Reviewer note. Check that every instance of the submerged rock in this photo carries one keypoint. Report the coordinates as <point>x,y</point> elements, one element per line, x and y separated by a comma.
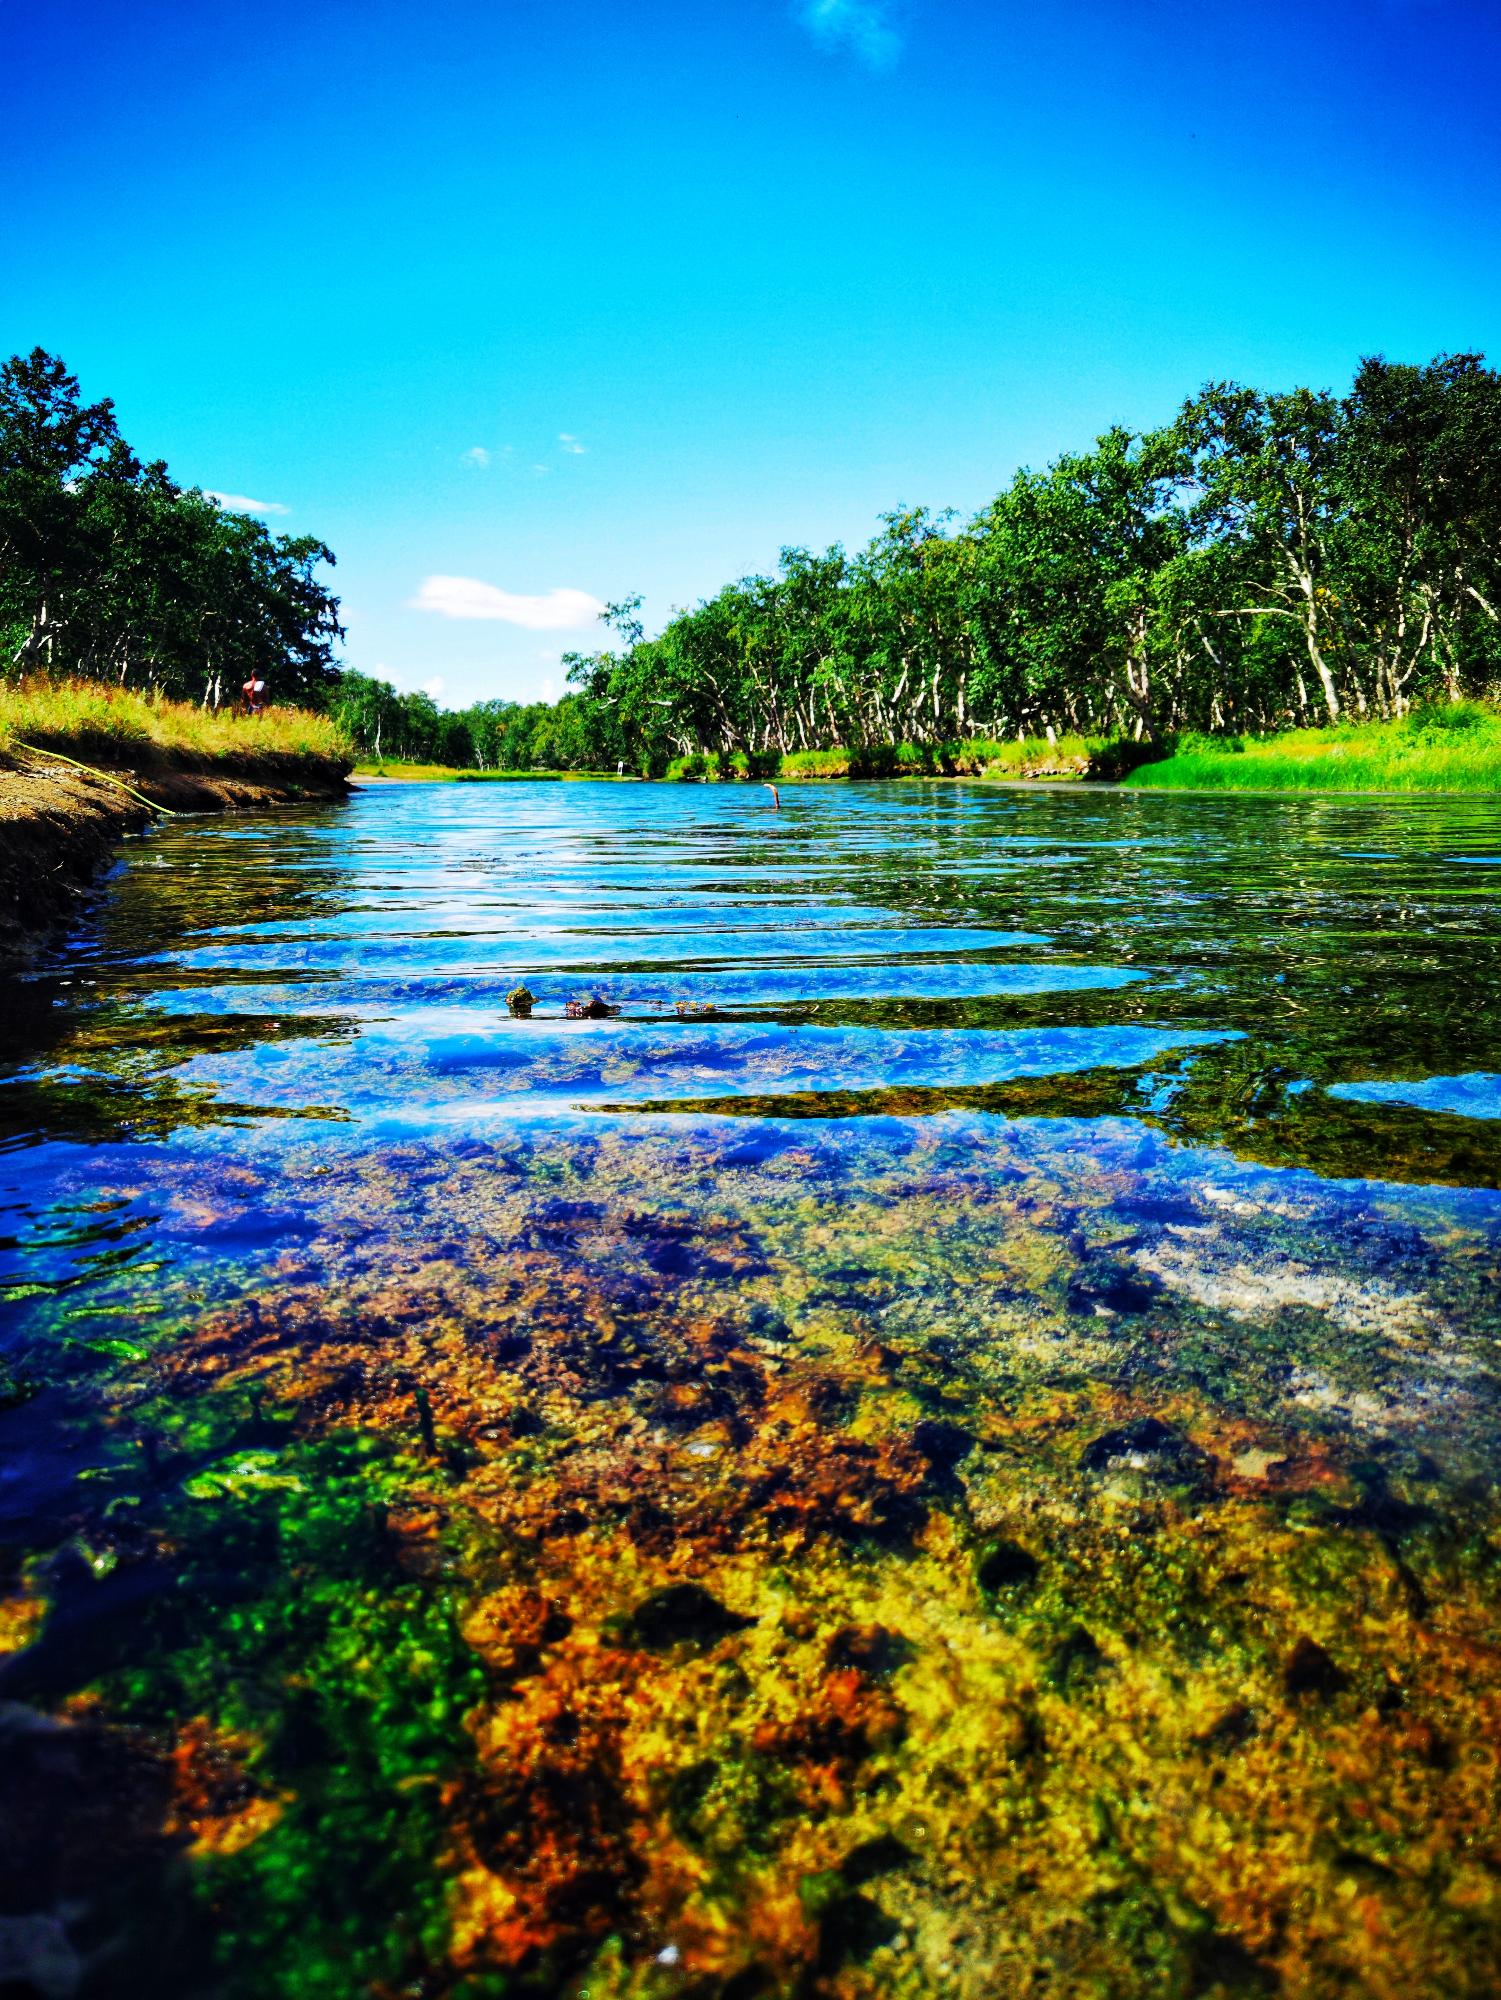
<point>1147,1446</point>
<point>870,1649</point>
<point>1004,1569</point>
<point>1310,1670</point>
<point>684,1614</point>
<point>1111,1288</point>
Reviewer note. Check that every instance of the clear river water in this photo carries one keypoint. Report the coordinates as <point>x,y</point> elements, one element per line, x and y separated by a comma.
<point>944,1444</point>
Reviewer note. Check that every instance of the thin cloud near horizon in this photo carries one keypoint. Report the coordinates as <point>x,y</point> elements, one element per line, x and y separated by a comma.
<point>560,610</point>
<point>241,503</point>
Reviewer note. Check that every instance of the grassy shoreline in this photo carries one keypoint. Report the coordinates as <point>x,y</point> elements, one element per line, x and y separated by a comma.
<point>82,766</point>
<point>1448,747</point>
<point>1455,747</point>
<point>117,728</point>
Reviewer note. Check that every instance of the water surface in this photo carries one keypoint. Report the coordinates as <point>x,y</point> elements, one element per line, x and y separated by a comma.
<point>948,1445</point>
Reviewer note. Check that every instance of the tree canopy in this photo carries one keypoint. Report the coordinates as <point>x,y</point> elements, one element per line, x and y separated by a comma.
<point>110,570</point>
<point>1264,560</point>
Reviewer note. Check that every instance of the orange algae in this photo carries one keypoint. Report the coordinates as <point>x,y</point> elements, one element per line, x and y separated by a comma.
<point>835,1665</point>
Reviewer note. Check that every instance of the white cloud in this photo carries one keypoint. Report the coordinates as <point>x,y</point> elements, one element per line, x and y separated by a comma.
<point>241,503</point>
<point>862,27</point>
<point>477,455</point>
<point>543,469</point>
<point>570,443</point>
<point>467,597</point>
<point>435,686</point>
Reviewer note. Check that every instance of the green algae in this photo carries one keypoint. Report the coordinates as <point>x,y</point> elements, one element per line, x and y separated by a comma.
<point>461,1619</point>
<point>1040,1536</point>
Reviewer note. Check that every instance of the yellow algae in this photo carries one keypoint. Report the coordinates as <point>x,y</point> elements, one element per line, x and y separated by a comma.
<point>21,1620</point>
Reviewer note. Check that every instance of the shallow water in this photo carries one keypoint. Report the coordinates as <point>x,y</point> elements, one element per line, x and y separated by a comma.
<point>949,1446</point>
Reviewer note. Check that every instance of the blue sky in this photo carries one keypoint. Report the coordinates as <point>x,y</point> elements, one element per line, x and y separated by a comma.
<point>525,306</point>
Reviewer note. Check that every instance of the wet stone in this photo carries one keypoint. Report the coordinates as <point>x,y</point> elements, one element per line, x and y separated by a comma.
<point>1111,1288</point>
<point>1006,1570</point>
<point>871,1649</point>
<point>1148,1447</point>
<point>684,1614</point>
<point>1312,1671</point>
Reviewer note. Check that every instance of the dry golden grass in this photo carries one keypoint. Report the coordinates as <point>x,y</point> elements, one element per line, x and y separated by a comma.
<point>93,722</point>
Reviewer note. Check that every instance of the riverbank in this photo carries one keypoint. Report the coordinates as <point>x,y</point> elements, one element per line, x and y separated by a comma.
<point>1034,757</point>
<point>390,770</point>
<point>82,767</point>
<point>1453,747</point>
<point>1449,747</point>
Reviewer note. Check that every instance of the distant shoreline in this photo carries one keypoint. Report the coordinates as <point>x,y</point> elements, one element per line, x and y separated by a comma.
<point>1452,749</point>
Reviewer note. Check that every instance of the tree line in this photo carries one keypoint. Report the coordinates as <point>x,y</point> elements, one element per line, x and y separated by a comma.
<point>111,571</point>
<point>1263,561</point>
<point>574,734</point>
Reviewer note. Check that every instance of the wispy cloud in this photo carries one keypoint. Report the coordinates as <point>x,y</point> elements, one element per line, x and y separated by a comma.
<point>435,686</point>
<point>467,597</point>
<point>861,28</point>
<point>477,455</point>
<point>241,503</point>
<point>570,443</point>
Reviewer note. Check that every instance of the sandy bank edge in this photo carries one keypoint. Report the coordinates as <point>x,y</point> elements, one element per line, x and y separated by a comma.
<point>59,828</point>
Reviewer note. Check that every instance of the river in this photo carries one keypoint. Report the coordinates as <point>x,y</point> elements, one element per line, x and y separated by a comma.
<point>944,1444</point>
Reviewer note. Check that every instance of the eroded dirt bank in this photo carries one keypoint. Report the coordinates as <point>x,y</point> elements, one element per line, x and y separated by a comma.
<point>59,826</point>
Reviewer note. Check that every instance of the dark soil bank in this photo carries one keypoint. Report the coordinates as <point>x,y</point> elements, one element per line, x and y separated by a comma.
<point>59,827</point>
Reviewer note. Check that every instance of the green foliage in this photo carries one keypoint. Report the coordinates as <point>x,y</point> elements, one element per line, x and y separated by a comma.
<point>1432,749</point>
<point>111,571</point>
<point>488,738</point>
<point>1265,561</point>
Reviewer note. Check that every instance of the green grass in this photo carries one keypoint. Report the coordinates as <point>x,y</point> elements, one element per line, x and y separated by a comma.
<point>1441,747</point>
<point>973,757</point>
<point>103,725</point>
<point>447,774</point>
<point>399,767</point>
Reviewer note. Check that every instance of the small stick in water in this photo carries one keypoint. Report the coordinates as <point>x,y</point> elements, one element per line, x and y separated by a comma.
<point>425,1424</point>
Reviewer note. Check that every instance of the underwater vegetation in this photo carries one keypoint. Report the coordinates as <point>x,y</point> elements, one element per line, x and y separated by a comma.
<point>500,1505</point>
